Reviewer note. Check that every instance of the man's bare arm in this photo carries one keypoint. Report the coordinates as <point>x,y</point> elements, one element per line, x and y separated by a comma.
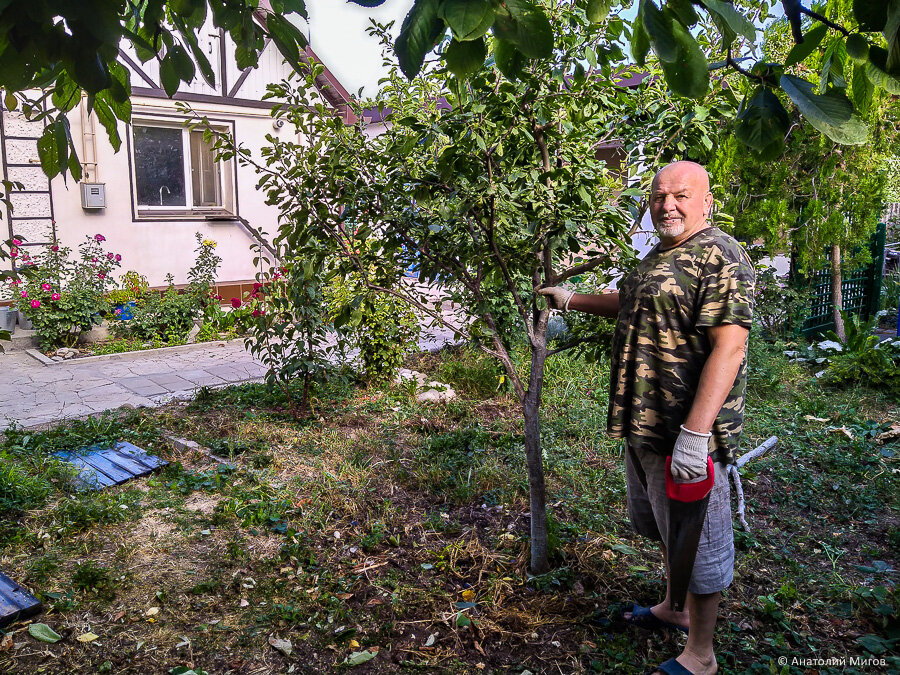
<point>605,304</point>
<point>729,346</point>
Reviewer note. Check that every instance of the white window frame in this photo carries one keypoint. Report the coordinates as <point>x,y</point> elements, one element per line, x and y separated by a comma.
<point>227,182</point>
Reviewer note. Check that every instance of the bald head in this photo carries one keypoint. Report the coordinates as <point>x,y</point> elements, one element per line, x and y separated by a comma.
<point>680,201</point>
<point>684,171</point>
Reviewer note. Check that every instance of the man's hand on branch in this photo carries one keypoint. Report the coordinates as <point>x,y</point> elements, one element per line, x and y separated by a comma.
<point>689,456</point>
<point>557,297</point>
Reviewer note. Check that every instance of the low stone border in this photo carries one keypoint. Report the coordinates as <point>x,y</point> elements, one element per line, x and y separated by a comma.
<point>45,360</point>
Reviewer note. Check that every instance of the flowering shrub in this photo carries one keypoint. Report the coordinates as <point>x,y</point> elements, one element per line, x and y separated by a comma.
<point>133,287</point>
<point>63,295</point>
<point>202,275</point>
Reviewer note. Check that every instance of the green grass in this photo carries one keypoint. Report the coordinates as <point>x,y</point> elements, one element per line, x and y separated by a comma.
<point>377,518</point>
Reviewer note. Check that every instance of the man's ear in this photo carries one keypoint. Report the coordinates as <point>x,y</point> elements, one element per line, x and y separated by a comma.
<point>708,201</point>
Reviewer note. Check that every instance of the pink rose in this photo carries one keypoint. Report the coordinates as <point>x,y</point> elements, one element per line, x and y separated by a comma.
<point>13,253</point>
<point>17,242</point>
<point>55,296</point>
<point>35,304</point>
<point>99,237</point>
<point>118,311</point>
<point>101,275</point>
<point>118,258</point>
<point>235,302</point>
<point>109,256</point>
<point>54,248</point>
<point>46,287</point>
<point>24,294</point>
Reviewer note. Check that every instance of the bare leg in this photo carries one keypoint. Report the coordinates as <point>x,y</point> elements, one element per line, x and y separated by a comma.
<point>698,655</point>
<point>663,610</point>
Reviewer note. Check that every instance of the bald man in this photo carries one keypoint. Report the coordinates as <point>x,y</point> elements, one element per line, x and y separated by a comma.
<point>678,376</point>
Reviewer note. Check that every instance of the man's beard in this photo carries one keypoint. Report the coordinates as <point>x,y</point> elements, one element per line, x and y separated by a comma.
<point>670,231</point>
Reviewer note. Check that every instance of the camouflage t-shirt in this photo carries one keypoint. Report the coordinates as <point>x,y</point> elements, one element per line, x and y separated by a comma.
<point>660,345</point>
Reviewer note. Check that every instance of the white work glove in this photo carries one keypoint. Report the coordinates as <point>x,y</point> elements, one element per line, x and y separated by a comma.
<point>558,297</point>
<point>689,456</point>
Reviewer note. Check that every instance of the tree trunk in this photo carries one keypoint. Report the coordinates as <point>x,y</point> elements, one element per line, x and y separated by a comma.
<point>837,302</point>
<point>540,560</point>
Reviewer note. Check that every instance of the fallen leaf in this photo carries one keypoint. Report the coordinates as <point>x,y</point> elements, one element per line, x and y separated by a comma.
<point>283,646</point>
<point>889,435</point>
<point>468,595</point>
<point>343,596</point>
<point>153,611</point>
<point>358,658</point>
<point>374,601</point>
<point>840,430</point>
<point>119,616</point>
<point>43,632</point>
<point>430,640</point>
<point>87,637</point>
<point>6,643</point>
<point>244,602</point>
<point>811,418</point>
<point>353,644</point>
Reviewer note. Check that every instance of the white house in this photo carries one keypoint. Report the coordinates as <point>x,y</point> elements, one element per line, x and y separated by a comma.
<point>164,184</point>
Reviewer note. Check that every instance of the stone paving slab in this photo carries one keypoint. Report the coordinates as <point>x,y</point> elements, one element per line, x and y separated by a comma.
<point>32,393</point>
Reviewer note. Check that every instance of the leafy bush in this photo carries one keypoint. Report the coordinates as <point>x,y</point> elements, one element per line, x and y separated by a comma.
<point>382,327</point>
<point>64,297</point>
<point>167,317</point>
<point>133,287</point>
<point>862,358</point>
<point>202,275</point>
<point>779,307</point>
<point>288,329</point>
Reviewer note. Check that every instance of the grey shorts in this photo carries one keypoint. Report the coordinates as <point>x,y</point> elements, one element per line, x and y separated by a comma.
<point>648,510</point>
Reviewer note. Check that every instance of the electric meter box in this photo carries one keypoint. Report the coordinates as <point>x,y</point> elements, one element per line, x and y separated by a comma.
<point>93,195</point>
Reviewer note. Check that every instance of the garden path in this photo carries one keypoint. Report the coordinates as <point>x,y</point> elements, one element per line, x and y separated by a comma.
<point>32,393</point>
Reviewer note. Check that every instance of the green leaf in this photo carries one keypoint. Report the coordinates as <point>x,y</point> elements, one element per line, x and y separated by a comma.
<point>527,27</point>
<point>509,60</point>
<point>107,118</point>
<point>876,70</point>
<point>858,48</point>
<point>597,10</point>
<point>358,658</point>
<point>892,35</point>
<point>182,62</point>
<point>684,10</point>
<point>168,74</point>
<point>289,40</point>
<point>739,23</point>
<point>46,147</point>
<point>688,74</point>
<point>43,632</point>
<point>763,121</point>
<point>660,28</point>
<point>420,30</point>
<point>811,40</point>
<point>465,58</point>
<point>831,113</point>
<point>468,19</point>
<point>640,42</point>
<point>871,14</point>
<point>63,139</point>
<point>66,93</point>
<point>862,89</point>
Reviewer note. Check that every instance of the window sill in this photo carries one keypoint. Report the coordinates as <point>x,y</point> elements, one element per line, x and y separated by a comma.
<point>186,214</point>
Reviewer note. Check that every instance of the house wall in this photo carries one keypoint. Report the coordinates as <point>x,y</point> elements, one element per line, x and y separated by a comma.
<point>156,247</point>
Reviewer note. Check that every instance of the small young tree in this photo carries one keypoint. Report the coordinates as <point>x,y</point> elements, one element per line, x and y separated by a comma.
<point>491,186</point>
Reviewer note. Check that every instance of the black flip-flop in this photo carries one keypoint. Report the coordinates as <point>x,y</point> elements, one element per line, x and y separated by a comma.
<point>642,617</point>
<point>670,667</point>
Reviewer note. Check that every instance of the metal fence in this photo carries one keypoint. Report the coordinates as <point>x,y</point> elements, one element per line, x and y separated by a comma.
<point>860,289</point>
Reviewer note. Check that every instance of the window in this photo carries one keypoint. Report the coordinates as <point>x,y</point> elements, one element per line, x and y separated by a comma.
<point>175,171</point>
